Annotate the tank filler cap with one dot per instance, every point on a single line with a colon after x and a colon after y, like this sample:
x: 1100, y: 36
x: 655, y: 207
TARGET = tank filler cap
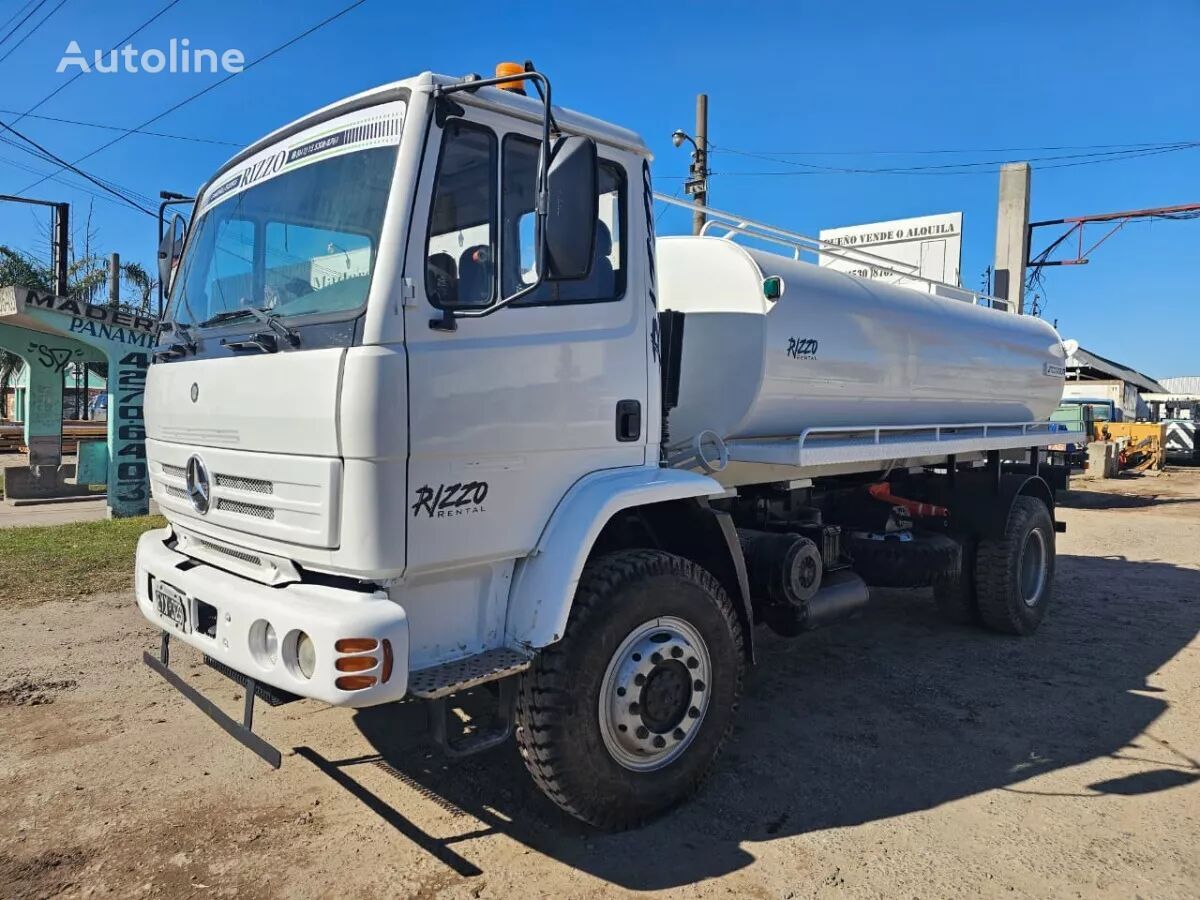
x: 1070, y: 345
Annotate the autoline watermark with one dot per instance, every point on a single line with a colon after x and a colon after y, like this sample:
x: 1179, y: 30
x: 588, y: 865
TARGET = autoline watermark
x: 179, y: 56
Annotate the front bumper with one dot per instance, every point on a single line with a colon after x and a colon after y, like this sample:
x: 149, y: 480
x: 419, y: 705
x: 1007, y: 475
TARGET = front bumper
x: 234, y: 609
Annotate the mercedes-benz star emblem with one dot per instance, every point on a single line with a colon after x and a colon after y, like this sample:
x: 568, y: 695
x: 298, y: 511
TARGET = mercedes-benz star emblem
x: 195, y: 392
x: 197, y: 484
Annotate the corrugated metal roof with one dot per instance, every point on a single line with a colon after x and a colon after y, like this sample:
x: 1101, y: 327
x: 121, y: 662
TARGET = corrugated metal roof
x: 1184, y: 384
x: 1106, y: 368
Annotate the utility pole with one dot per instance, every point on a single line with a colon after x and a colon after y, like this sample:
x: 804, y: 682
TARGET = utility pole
x: 60, y: 239
x: 1012, y: 235
x: 700, y: 162
x: 114, y: 280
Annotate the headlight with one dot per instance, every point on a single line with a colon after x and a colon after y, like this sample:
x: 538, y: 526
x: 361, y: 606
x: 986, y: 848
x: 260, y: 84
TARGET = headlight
x: 264, y: 643
x: 306, y: 655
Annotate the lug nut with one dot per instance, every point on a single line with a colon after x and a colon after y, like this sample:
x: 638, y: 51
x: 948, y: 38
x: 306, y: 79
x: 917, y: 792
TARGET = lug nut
x: 693, y: 713
x: 698, y: 685
x: 656, y: 657
x: 634, y: 708
x: 660, y: 742
x: 693, y: 663
x: 677, y: 734
x: 677, y: 652
x: 639, y: 680
x: 643, y: 732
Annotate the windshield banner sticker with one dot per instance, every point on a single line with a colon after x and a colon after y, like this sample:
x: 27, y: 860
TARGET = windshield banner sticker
x: 378, y: 127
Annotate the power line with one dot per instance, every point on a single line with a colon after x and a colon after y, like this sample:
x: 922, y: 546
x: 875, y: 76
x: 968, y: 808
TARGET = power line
x: 115, y: 46
x: 32, y: 171
x: 161, y: 134
x: 63, y: 164
x: 213, y: 86
x: 31, y: 31
x: 956, y: 168
x: 945, y: 151
x: 1093, y: 159
x: 129, y: 193
x: 13, y: 17
x: 17, y: 27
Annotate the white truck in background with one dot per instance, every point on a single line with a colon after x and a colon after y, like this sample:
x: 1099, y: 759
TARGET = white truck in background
x: 433, y: 408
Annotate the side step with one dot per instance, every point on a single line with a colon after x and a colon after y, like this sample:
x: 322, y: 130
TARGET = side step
x: 436, y: 683
x: 452, y: 677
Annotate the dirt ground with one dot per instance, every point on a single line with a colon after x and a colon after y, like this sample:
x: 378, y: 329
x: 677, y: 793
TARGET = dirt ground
x: 889, y: 756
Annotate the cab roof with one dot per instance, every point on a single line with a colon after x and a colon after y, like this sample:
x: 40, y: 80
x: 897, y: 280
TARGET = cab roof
x: 505, y: 102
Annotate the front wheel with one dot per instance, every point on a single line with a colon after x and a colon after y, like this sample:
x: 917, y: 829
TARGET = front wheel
x: 623, y: 717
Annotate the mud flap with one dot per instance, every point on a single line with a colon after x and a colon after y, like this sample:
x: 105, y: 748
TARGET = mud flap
x: 242, y: 733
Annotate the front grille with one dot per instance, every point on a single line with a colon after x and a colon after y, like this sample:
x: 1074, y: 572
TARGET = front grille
x: 238, y: 483
x: 245, y: 509
x: 230, y: 551
x: 174, y: 471
x: 177, y: 493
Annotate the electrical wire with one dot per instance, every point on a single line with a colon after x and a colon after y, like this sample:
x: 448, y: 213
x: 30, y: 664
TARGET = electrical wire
x: 965, y: 168
x: 216, y: 84
x: 31, y: 31
x: 43, y: 157
x: 13, y: 17
x: 63, y: 164
x: 953, y: 150
x: 160, y: 134
x: 28, y: 16
x: 114, y: 47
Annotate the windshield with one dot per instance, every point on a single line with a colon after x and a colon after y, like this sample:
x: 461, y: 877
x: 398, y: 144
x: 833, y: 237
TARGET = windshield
x: 303, y: 242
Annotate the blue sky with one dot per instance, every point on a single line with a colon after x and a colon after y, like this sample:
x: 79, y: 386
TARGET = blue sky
x: 795, y: 77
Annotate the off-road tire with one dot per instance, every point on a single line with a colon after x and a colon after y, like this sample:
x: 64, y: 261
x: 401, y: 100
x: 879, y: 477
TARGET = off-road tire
x: 558, y: 729
x: 954, y: 591
x: 904, y: 564
x: 998, y: 568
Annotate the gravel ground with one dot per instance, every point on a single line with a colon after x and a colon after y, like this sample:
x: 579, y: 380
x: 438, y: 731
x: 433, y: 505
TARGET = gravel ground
x: 889, y: 756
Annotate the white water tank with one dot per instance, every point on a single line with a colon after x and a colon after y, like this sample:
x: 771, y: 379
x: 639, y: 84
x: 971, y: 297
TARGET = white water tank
x: 841, y: 351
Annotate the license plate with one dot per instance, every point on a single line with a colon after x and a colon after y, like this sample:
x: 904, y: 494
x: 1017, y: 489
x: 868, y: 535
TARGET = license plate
x: 171, y: 604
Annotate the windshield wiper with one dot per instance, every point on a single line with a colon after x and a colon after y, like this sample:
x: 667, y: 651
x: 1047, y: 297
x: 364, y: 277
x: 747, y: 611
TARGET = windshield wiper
x: 177, y: 350
x: 271, y: 319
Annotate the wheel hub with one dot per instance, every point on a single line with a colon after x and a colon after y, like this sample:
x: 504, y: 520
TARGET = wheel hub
x: 654, y: 694
x: 1032, y: 568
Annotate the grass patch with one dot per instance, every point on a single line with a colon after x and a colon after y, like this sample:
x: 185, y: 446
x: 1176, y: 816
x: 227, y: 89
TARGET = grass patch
x: 68, y: 562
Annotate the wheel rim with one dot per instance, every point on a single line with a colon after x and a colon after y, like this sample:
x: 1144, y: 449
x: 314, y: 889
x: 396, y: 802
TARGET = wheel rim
x: 655, y: 694
x: 1032, y: 567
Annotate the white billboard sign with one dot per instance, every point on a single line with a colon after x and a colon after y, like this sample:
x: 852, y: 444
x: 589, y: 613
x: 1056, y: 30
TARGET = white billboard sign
x: 929, y: 246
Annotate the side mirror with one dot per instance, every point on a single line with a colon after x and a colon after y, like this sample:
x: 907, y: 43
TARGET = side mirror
x: 169, y: 251
x: 572, y: 209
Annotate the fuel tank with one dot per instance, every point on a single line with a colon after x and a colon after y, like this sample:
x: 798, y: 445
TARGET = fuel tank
x: 839, y: 351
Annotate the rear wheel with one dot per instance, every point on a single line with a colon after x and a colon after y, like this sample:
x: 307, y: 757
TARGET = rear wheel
x: 1014, y: 574
x: 623, y: 717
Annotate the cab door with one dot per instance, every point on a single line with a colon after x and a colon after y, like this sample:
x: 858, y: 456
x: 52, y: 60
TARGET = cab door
x: 507, y: 411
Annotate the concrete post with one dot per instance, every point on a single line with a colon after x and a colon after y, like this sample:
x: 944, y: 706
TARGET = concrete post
x: 1012, y: 234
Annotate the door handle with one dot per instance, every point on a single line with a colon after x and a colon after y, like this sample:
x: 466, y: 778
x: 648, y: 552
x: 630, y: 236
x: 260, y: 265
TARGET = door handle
x: 629, y: 420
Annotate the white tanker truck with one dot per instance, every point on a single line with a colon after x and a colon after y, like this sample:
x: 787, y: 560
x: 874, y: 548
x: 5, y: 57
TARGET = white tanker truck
x: 432, y: 408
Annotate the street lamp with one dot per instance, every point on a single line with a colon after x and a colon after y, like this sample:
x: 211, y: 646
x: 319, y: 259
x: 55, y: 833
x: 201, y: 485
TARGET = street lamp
x: 696, y: 185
